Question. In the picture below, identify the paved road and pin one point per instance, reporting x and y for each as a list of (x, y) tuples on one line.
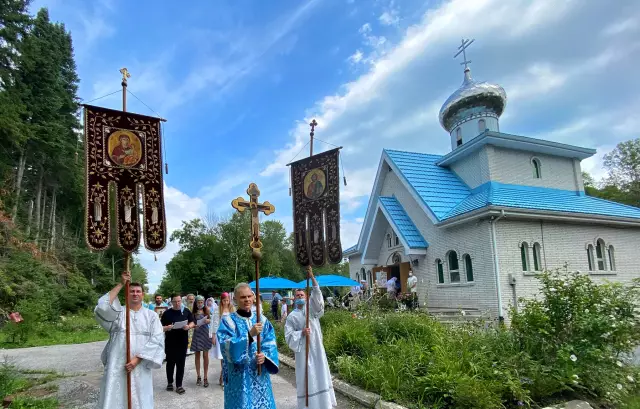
[(82, 391)]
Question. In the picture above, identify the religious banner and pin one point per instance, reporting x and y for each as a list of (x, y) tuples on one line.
[(123, 149), (316, 209)]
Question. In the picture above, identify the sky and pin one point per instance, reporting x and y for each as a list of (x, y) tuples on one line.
[(239, 81)]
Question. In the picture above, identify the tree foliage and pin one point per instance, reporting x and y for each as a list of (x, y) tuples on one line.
[(43, 258), (216, 256)]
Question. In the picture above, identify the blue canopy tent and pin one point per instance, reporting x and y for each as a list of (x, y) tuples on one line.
[(329, 281), (274, 283)]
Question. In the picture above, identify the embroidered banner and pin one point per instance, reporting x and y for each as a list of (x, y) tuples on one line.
[(123, 149), (316, 209)]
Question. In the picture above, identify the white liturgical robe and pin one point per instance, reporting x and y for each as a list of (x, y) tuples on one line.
[(147, 342), (321, 394)]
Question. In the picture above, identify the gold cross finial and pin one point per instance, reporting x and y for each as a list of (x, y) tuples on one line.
[(125, 74)]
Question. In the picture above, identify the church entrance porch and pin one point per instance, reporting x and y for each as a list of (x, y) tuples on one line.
[(382, 274)]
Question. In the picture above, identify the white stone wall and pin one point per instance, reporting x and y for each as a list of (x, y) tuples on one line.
[(473, 239), (515, 167), (355, 267), (562, 244), (473, 169)]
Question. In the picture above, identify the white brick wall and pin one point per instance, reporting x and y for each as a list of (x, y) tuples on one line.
[(514, 167), (473, 169), (563, 244)]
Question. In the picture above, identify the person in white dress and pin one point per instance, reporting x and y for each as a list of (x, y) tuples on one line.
[(225, 308), (284, 310), (147, 348), (321, 394)]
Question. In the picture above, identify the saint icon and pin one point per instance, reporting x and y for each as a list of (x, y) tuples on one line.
[(125, 148), (314, 184)]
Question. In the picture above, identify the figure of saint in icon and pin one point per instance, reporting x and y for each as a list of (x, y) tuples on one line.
[(314, 183), (125, 153)]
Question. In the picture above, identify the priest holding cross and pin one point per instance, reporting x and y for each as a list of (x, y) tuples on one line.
[(247, 340)]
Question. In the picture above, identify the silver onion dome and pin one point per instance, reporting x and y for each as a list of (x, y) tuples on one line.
[(469, 98)]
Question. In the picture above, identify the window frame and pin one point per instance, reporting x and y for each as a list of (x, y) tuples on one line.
[(537, 168), (468, 267), (452, 256), (482, 125), (440, 271), (537, 257), (458, 136), (590, 257), (611, 252), (601, 260), (524, 257)]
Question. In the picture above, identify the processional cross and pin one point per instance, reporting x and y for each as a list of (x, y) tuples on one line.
[(267, 208)]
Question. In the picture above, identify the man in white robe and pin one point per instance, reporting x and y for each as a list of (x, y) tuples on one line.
[(147, 349), (321, 394)]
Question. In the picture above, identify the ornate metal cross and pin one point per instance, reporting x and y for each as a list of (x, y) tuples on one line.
[(125, 74), (267, 208), (463, 49)]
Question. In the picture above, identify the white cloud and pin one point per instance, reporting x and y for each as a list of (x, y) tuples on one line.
[(621, 26), (389, 18), (545, 52), (356, 57), (179, 207)]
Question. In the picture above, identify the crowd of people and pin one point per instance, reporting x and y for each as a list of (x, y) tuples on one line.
[(169, 330)]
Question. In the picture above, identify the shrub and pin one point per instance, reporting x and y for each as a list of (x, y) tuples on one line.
[(579, 332)]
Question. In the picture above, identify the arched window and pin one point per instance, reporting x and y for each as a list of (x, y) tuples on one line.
[(458, 137), (396, 239), (369, 279), (524, 256), (440, 271), (600, 255), (537, 265), (358, 277), (537, 168), (612, 259), (590, 257), (389, 242), (454, 268), (468, 267), (482, 125)]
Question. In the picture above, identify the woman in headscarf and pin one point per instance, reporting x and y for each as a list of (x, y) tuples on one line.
[(225, 308), (201, 341)]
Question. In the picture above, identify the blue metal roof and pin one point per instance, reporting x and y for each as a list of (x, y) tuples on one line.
[(447, 196), (403, 223), (351, 249), (438, 187), (538, 198)]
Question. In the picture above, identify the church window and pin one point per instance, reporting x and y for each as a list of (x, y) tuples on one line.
[(440, 271), (537, 265), (524, 256), (612, 260), (454, 268), (369, 279), (458, 137), (396, 239), (537, 168), (389, 242), (468, 267), (482, 125), (590, 257), (600, 254), (358, 277)]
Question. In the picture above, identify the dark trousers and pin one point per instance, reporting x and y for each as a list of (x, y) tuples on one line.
[(274, 311), (176, 359)]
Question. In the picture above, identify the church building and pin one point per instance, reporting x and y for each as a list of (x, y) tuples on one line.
[(477, 224)]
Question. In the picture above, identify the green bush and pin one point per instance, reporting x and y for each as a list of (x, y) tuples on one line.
[(580, 332), (571, 343)]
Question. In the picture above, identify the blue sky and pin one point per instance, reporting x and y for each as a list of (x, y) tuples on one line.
[(240, 80)]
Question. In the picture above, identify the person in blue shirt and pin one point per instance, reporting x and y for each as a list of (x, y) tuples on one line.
[(159, 306)]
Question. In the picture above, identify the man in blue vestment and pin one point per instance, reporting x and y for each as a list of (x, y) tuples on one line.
[(237, 336)]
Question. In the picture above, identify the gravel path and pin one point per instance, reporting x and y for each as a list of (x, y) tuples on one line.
[(80, 391)]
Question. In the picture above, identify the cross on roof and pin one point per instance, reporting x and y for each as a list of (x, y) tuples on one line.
[(463, 49)]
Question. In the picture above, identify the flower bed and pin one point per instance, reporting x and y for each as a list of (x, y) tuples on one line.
[(571, 343)]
